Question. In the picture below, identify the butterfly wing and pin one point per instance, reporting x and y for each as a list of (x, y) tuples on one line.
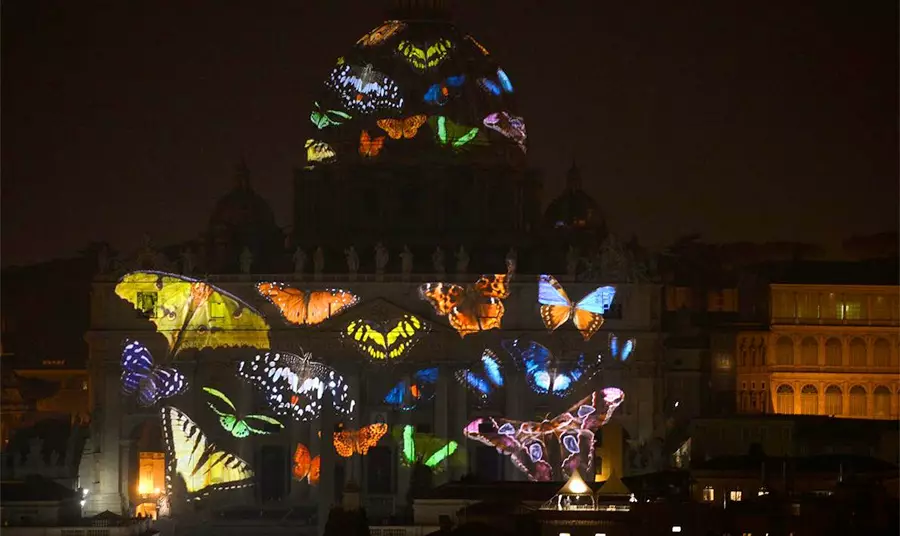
[(350, 442), (302, 462), (195, 314), (526, 449), (489, 85), (411, 125), (325, 304), (477, 45), (555, 304), (318, 151), (444, 297), (534, 359), (483, 384), (197, 460), (137, 364), (504, 81), (393, 127), (292, 303), (381, 34), (406, 395)]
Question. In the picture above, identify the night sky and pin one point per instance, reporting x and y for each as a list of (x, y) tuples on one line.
[(737, 120)]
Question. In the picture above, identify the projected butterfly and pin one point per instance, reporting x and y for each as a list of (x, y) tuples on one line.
[(386, 341), (425, 448), (544, 374), (363, 89), (319, 151), (307, 307), (402, 128), (239, 427), (370, 147), (587, 314), (194, 314), (200, 463), (428, 57), (498, 86), (621, 350), (486, 381), (439, 94), (141, 376), (295, 385), (473, 308), (305, 466), (511, 126), (350, 442), (448, 133), (382, 33), (565, 442), (477, 45), (328, 118), (407, 394)]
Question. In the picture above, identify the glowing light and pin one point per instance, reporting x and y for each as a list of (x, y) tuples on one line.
[(307, 308), (184, 312), (151, 383), (197, 460), (676, 528), (386, 341), (295, 385), (402, 128), (544, 374), (473, 308), (428, 57), (350, 442), (587, 314), (511, 126), (533, 446), (239, 427), (363, 89)]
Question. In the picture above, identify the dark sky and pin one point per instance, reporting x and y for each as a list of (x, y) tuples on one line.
[(772, 120)]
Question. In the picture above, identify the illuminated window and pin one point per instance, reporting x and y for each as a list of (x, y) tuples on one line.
[(783, 305), (709, 494), (882, 401), (857, 353), (734, 495), (834, 400), (564, 534), (882, 353), (833, 353), (830, 307), (217, 310), (858, 401), (723, 361), (809, 352), (809, 400), (146, 304), (785, 399), (853, 308), (807, 306)]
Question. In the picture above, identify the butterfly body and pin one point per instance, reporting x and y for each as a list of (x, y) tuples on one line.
[(388, 340), (202, 465), (350, 442), (295, 385), (307, 308), (544, 374), (195, 314), (473, 308), (587, 314), (141, 376), (538, 448)]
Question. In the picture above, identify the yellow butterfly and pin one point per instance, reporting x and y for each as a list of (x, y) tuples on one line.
[(318, 151), (403, 128), (192, 313), (427, 58), (386, 340)]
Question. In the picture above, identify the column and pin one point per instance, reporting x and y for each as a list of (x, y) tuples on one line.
[(357, 419), (441, 420), (404, 472), (821, 359), (845, 398), (107, 495), (513, 408), (329, 459), (870, 395)]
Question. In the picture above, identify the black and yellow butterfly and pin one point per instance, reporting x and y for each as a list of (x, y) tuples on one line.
[(387, 340)]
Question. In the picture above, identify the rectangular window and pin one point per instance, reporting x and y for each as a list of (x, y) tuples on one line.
[(855, 308), (709, 494), (146, 304), (734, 495)]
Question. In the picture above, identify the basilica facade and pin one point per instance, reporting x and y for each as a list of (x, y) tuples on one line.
[(417, 130)]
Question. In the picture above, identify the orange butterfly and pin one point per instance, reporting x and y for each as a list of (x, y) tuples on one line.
[(370, 146), (304, 467), (472, 308), (406, 128), (349, 442), (307, 308)]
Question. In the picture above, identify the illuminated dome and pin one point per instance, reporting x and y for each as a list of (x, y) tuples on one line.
[(574, 208), (416, 89)]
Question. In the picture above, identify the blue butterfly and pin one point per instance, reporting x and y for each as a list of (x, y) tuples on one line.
[(623, 352), (151, 383), (587, 314), (496, 88), (420, 389), (438, 94), (484, 383), (543, 374)]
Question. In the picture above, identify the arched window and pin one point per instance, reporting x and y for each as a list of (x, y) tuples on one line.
[(785, 399), (834, 400), (785, 351), (809, 400), (833, 353), (882, 401), (857, 353), (882, 353), (809, 352), (857, 401)]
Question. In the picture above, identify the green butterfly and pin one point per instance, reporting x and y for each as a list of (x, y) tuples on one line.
[(328, 118), (451, 133), (231, 423), (433, 450)]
